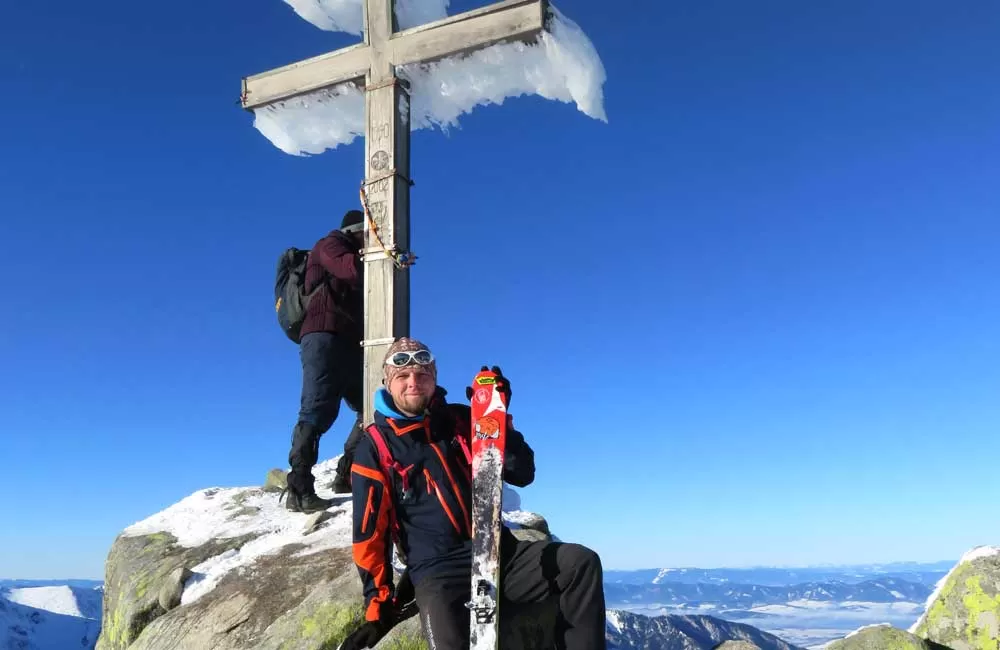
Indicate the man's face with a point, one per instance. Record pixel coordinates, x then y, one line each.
412 389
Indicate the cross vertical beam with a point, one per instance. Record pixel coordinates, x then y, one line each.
386 188
387 197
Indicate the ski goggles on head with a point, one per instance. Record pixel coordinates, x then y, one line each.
419 357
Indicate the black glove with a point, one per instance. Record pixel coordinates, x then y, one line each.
502 384
404 591
366 636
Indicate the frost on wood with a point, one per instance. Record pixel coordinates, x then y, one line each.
348 15
563 66
410 13
307 123
331 15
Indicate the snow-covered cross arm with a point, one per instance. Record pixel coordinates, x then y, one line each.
505 21
399 80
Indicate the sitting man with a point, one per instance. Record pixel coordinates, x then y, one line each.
425 503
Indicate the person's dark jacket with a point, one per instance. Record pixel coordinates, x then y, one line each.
335 266
435 525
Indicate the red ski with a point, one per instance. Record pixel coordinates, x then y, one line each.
489 438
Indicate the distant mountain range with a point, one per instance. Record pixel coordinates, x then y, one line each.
69 582
628 631
807 606
731 595
923 573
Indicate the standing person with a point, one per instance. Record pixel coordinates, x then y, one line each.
332 360
424 501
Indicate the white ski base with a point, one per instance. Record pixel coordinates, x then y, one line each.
487 472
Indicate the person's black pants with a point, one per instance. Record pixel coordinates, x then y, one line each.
332 370
530 573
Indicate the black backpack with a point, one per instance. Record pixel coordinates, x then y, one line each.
290 297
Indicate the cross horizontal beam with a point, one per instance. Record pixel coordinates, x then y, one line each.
505 21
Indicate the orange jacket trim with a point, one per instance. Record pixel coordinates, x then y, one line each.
370 553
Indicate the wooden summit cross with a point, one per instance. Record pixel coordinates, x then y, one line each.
387 137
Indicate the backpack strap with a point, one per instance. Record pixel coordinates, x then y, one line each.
389 464
460 436
463 444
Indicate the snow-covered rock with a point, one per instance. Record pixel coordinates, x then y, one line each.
877 637
232 569
963 613
249 574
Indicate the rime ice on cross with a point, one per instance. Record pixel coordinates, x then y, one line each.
387 135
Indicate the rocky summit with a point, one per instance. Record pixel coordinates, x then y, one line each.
232 569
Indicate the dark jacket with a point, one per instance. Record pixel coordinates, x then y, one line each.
335 266
435 524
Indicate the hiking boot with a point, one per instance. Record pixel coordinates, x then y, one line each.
305 503
341 485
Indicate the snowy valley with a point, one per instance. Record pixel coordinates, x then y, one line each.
38 616
806 606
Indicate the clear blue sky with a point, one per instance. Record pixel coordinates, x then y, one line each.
753 319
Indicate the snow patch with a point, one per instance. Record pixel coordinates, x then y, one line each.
331 15
208 574
411 13
515 519
866 627
662 575
974 554
562 65
614 620
49 617
348 15
980 552
227 513
833 609
58 600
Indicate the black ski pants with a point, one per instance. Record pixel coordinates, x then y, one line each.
530 573
332 370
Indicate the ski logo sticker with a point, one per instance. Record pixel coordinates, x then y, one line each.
487 427
482 395
483 381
